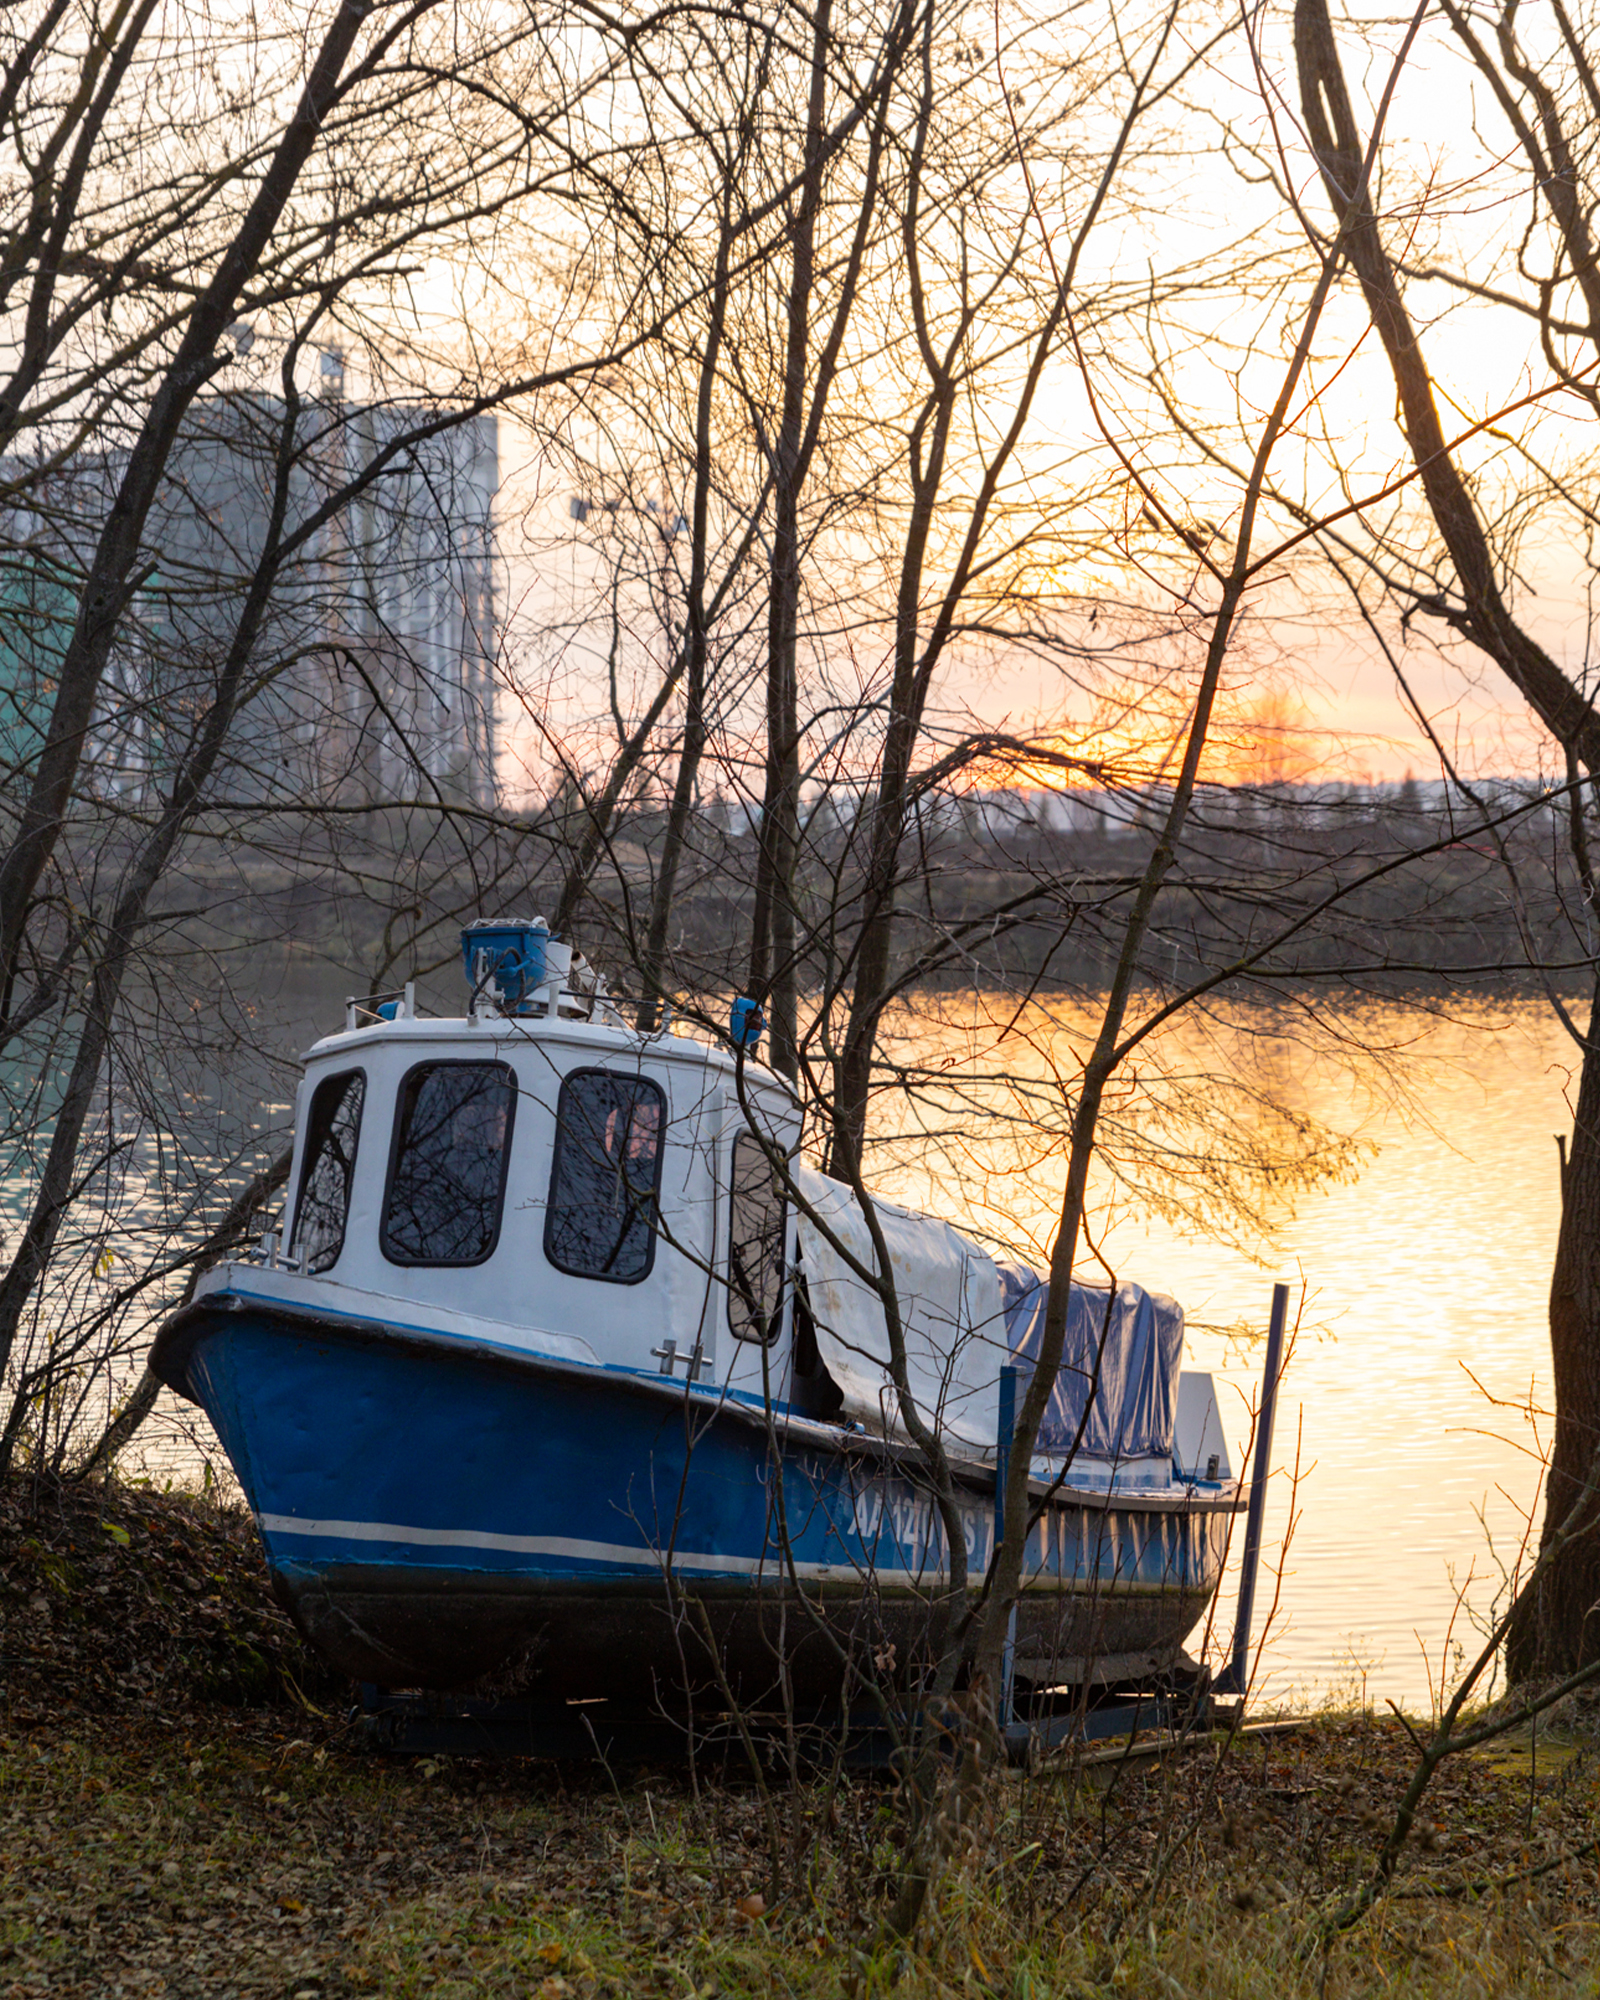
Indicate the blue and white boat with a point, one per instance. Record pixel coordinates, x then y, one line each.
549 1378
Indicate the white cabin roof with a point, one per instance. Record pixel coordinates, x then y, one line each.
487 1033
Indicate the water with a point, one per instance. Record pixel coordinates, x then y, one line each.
1436 1262
1433 1260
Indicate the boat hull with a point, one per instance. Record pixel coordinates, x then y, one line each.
442 1513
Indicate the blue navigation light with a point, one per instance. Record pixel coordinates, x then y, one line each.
747 1024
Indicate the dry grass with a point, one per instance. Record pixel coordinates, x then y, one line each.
154 1840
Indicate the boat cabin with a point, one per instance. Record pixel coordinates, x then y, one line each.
540 1175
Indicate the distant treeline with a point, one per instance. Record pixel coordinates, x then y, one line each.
1380 887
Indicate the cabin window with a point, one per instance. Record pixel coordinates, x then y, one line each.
447 1179
601 1221
332 1129
755 1242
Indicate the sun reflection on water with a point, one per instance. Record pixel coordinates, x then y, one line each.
1432 1261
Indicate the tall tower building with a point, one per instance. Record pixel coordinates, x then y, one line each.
373 667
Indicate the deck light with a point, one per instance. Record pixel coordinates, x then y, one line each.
747 1024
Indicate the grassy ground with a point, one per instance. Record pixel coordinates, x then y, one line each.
185 1810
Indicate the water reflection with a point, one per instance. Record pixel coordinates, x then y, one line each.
1434 1260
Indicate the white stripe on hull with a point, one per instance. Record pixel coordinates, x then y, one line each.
534 1545
681 1559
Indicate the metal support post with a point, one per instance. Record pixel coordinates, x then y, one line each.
1006 1431
1235 1677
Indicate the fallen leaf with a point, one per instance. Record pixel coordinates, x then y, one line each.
551 1952
752 1906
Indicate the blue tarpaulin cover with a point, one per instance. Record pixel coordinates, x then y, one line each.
1133 1341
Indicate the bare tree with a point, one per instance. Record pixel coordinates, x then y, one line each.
1547 105
221 573
984 350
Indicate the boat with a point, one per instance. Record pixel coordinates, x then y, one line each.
563 1375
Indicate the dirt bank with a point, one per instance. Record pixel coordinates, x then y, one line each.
186 1810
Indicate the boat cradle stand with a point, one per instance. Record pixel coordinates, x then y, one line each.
1043 1723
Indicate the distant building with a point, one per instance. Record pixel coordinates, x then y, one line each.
382 633
371 676
42 557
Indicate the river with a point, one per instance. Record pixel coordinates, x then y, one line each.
1430 1276
1431 1261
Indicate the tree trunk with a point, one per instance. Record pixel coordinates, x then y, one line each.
907 701
1557 1628
1483 616
774 973
114 576
696 649
57 1186
694 743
